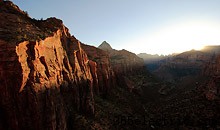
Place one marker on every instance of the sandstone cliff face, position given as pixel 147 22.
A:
pixel 45 75
pixel 125 65
pixel 105 76
pixel 123 61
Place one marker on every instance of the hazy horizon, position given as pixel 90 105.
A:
pixel 144 26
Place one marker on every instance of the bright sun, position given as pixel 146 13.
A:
pixel 182 37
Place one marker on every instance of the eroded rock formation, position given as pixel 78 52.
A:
pixel 45 75
pixel 123 61
pixel 105 76
pixel 124 64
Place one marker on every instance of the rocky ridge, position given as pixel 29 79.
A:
pixel 50 80
pixel 180 66
pixel 47 75
pixel 105 46
pixel 123 63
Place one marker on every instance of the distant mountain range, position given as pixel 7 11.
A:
pixel 49 80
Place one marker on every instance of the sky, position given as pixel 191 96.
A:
pixel 140 26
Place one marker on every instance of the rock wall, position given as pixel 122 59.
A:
pixel 122 61
pixel 45 75
pixel 43 78
pixel 105 76
pixel 125 65
pixel 125 62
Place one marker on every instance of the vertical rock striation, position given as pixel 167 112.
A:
pixel 124 64
pixel 105 76
pixel 45 74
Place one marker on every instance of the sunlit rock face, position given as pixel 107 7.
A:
pixel 45 74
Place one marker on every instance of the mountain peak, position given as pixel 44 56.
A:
pixel 105 46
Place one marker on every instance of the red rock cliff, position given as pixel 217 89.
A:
pixel 122 61
pixel 105 75
pixel 125 64
pixel 45 74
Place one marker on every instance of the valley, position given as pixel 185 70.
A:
pixel 51 80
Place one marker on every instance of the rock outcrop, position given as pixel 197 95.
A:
pixel 105 76
pixel 50 80
pixel 105 46
pixel 124 64
pixel 45 74
pixel 123 61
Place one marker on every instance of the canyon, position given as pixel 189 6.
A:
pixel 47 75
pixel 50 80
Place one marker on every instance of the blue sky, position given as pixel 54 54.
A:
pixel 149 26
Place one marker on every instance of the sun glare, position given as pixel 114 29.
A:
pixel 182 37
